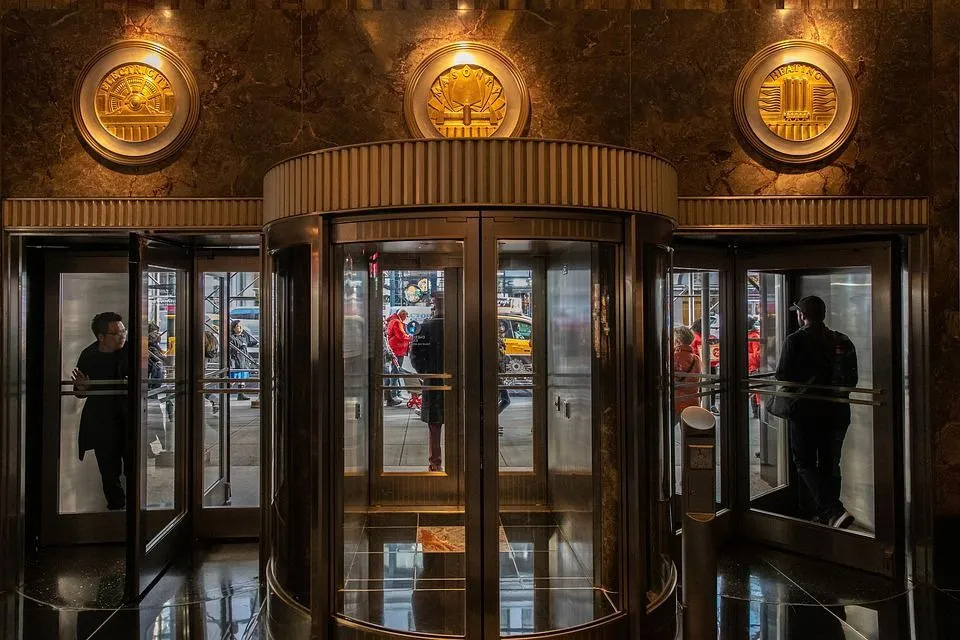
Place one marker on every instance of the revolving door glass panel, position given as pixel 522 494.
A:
pixel 402 567
pixel 409 320
pixel 558 429
pixel 775 442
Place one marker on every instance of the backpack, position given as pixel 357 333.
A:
pixel 843 361
pixel 211 346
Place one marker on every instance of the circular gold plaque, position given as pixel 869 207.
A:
pixel 466 101
pixel 136 103
pixel 796 102
pixel 466 90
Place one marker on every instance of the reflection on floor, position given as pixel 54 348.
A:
pixel 765 594
pixel 216 594
pixel 762 595
pixel 406 571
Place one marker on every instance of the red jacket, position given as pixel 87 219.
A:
pixel 397 336
pixel 753 351
pixel 686 385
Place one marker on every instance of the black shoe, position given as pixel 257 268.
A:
pixel 242 397
pixel 393 402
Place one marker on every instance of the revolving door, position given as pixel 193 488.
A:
pixel 461 423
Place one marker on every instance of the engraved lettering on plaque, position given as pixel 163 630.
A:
pixel 135 102
pixel 797 101
pixel 466 101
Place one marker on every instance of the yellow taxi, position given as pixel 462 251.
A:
pixel 516 331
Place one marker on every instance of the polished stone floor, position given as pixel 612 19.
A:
pixel 215 594
pixel 73 596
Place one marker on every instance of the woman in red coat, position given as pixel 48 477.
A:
pixel 686 371
pixel 397 336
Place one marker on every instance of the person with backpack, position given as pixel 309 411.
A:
pixel 816 355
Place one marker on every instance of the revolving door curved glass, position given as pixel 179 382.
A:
pixel 473 376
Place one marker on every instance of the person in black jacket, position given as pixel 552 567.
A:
pixel 427 357
pixel 240 360
pixel 104 421
pixel 818 427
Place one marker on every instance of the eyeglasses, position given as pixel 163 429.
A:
pixel 116 333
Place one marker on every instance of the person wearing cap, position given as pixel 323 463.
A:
pixel 817 427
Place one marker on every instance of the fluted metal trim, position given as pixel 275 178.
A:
pixel 802 212
pixel 504 172
pixel 133 213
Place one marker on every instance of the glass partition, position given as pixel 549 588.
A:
pixel 784 451
pixel 292 426
pixel 559 554
pixel 230 397
pixel 164 381
pixel 696 303
pixel 85 482
pixel 399 360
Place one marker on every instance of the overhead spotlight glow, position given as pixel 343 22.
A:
pixel 464 57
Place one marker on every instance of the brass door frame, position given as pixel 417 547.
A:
pixel 882 553
pixel 220 521
pixel 57 528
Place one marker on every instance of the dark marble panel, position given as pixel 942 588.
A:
pixel 944 272
pixel 356 66
pixel 247 69
pixel 685 65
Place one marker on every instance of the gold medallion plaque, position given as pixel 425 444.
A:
pixel 136 103
pixel 466 101
pixel 796 102
pixel 466 90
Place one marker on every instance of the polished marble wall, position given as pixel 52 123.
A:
pixel 278 78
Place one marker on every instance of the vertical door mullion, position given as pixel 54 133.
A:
pixel 481 460
pixel 135 543
pixel 885 427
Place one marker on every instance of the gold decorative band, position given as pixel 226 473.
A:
pixel 133 213
pixel 246 213
pixel 512 172
pixel 805 212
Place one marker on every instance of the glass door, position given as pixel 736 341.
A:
pixel 818 437
pixel 227 400
pixel 551 314
pixel 407 390
pixel 85 369
pixel 478 389
pixel 701 363
pixel 160 305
